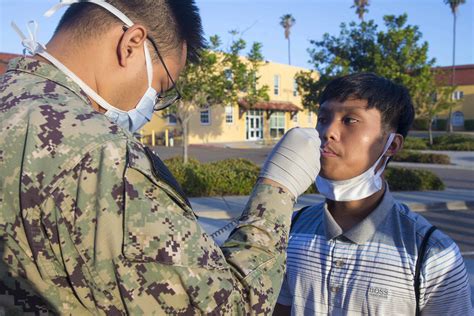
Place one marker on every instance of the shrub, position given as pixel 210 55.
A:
pixel 415 143
pixel 453 142
pixel 469 125
pixel 416 156
pixel 238 176
pixel 403 179
pixel 226 177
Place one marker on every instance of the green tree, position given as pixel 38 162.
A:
pixel 220 78
pixel 432 98
pixel 454 5
pixel 397 52
pixel 361 8
pixel 287 21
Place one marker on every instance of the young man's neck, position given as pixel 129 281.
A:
pixel 349 214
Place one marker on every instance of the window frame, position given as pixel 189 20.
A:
pixel 208 110
pixel 276 84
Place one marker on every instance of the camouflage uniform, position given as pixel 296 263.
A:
pixel 89 225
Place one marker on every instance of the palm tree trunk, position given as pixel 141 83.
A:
pixel 289 51
pixel 453 72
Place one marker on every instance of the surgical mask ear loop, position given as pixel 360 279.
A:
pixel 387 146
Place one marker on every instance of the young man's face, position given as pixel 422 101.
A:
pixel 352 138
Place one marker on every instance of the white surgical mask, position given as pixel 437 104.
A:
pixel 131 120
pixel 356 188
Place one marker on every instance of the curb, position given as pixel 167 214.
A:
pixel 442 206
pixel 430 165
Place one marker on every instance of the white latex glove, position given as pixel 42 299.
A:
pixel 294 161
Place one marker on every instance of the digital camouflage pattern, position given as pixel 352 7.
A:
pixel 87 226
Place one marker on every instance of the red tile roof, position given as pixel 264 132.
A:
pixel 270 106
pixel 463 75
pixel 4 58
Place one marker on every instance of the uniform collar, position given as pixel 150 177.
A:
pixel 364 230
pixel 46 71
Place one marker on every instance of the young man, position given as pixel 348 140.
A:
pixel 356 253
pixel 91 222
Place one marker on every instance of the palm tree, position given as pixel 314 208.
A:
pixel 454 4
pixel 361 8
pixel 287 21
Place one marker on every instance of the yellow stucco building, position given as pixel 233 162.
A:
pixel 463 113
pixel 265 121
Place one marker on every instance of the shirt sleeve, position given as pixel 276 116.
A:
pixel 131 248
pixel 445 284
pixel 285 297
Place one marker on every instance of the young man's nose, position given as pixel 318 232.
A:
pixel 329 131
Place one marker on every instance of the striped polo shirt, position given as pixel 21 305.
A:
pixel 370 268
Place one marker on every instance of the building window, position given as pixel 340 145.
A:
pixel 229 76
pixel 295 88
pixel 172 119
pixel 277 124
pixel 458 95
pixel 229 114
pixel 276 84
pixel 206 116
pixel 295 117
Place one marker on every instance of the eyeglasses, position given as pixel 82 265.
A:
pixel 165 98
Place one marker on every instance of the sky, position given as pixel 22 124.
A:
pixel 258 20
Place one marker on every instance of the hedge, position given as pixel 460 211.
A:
pixel 469 125
pixel 403 179
pixel 441 124
pixel 455 142
pixel 226 177
pixel 238 176
pixel 419 157
pixel 415 143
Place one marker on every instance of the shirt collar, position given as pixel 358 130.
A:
pixel 46 71
pixel 364 230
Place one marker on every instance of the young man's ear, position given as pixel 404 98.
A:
pixel 395 146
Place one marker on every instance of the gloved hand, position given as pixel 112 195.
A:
pixel 294 161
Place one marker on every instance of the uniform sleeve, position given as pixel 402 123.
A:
pixel 445 286
pixel 130 248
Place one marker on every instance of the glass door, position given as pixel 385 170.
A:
pixel 254 125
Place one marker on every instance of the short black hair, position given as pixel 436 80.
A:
pixel 169 22
pixel 391 99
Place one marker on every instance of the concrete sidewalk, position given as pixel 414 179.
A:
pixel 229 207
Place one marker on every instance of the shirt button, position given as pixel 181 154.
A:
pixel 339 263
pixel 334 289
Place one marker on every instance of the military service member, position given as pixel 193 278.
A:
pixel 91 222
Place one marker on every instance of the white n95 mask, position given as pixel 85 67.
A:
pixel 131 120
pixel 356 188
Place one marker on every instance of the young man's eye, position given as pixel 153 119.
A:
pixel 349 120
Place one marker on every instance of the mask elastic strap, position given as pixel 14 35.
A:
pixel 149 65
pixel 32 46
pixel 387 146
pixel 107 6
